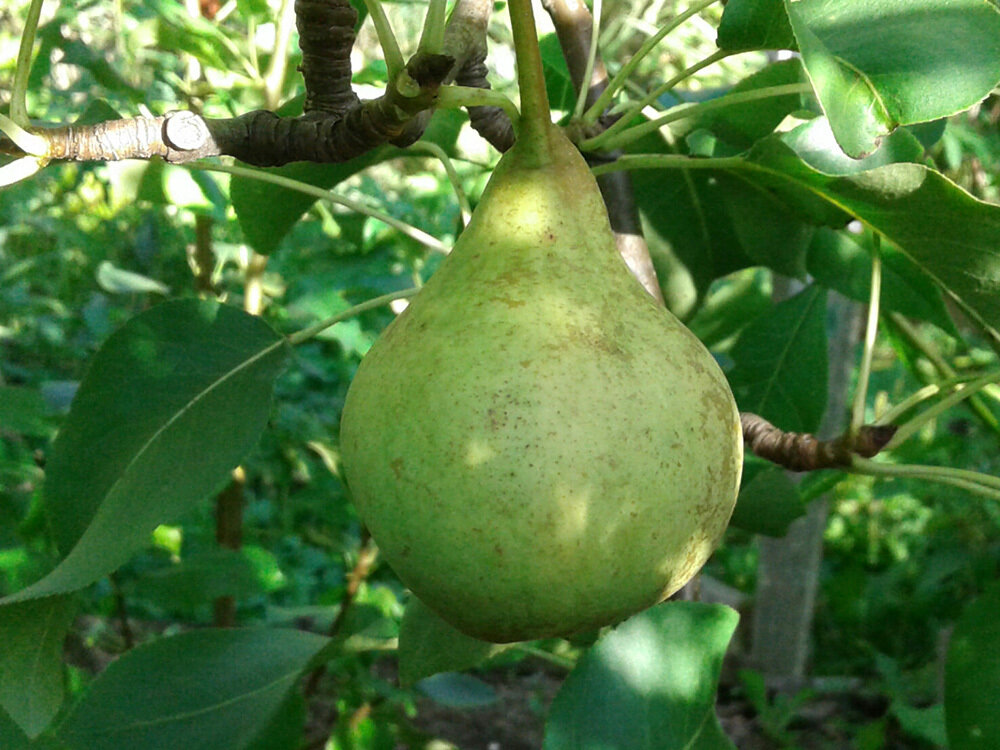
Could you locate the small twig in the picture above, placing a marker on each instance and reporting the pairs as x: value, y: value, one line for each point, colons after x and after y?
x: 202, y: 257
x: 121, y: 610
x: 367, y: 554
x: 228, y: 535
x: 802, y: 452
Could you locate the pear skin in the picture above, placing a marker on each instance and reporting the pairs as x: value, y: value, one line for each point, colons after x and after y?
x: 538, y: 447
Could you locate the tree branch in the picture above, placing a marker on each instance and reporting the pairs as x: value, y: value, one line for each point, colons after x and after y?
x: 802, y: 452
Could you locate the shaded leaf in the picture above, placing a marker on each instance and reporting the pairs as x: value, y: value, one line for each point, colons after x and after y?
x: 838, y: 261
x: 972, y: 676
x: 729, y: 307
x: 170, y: 405
x: 712, y: 736
x: 780, y: 363
x: 23, y: 410
x: 457, y: 690
x: 677, y: 208
x: 649, y: 683
x: 31, y: 660
x: 770, y: 234
x: 286, y: 726
x: 199, y: 579
x: 210, y: 689
x: 755, y: 24
x: 11, y: 736
x: 558, y: 84
x: 925, y: 723
x: 768, y: 501
x: 428, y: 645
x: 742, y: 125
x: 950, y: 235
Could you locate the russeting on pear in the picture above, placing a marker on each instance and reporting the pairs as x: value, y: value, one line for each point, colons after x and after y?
x: 537, y: 446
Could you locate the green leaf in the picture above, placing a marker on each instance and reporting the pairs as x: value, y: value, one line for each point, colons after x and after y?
x: 204, y: 40
x: 119, y: 281
x: 927, y: 724
x: 677, y: 210
x: 558, y: 83
x: 768, y: 501
x: 170, y: 405
x: 267, y: 212
x: 950, y: 235
x: 648, y: 684
x: 813, y: 141
x: 780, y: 363
x: 284, y: 730
x: 972, y: 676
x: 31, y: 661
x: 729, y: 307
x: 883, y: 63
x: 457, y: 690
x: 23, y: 410
x: 11, y: 736
x: 838, y: 261
x: 199, y: 579
x: 755, y: 24
x: 712, y: 736
x: 770, y: 234
x: 208, y: 689
x: 742, y: 125
x: 429, y: 645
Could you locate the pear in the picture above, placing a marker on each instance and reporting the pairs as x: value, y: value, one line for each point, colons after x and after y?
x: 538, y: 447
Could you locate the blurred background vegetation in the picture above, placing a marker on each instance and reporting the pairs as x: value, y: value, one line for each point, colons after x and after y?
x: 83, y: 247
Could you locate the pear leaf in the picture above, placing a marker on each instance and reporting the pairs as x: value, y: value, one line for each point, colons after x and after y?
x: 170, y: 405
x: 428, y: 645
x: 201, y: 690
x: 972, y: 676
x: 31, y: 660
x: 648, y: 684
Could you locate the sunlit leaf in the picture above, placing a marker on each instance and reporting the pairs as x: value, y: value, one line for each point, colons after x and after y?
x: 883, y: 63
x: 119, y: 281
x: 649, y: 684
x: 813, y: 141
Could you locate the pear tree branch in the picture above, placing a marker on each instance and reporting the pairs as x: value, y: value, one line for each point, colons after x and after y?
x: 797, y: 451
x: 336, y: 126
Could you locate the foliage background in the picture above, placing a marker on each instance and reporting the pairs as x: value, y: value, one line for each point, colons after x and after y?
x: 83, y: 248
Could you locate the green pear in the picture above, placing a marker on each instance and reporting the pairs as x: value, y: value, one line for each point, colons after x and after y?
x: 538, y: 447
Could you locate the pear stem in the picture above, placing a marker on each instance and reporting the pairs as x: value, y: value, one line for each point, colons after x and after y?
x: 536, y: 118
